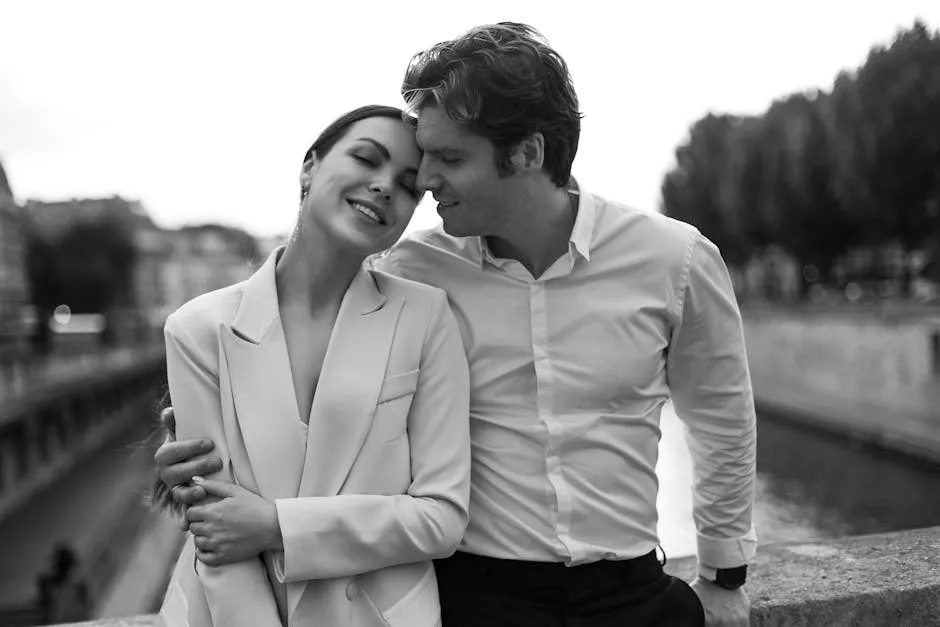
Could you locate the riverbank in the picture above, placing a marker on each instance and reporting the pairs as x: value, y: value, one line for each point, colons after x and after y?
x: 870, y: 374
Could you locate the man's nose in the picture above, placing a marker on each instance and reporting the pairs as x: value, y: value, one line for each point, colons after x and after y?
x: 427, y: 180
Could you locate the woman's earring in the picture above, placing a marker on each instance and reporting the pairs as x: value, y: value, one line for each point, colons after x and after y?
x: 304, y: 187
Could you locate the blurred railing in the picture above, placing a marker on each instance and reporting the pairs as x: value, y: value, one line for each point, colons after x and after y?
x: 25, y: 374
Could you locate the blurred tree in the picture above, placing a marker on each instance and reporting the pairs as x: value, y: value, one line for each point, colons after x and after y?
x: 42, y: 272
x: 824, y: 174
x: 756, y: 161
x: 96, y: 261
x: 899, y: 90
x: 700, y: 189
x: 815, y: 228
x: 89, y: 267
x: 851, y: 142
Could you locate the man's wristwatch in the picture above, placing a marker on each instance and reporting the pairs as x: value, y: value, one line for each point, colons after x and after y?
x: 727, y: 578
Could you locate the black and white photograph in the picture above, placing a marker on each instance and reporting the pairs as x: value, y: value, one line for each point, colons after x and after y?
x: 487, y: 314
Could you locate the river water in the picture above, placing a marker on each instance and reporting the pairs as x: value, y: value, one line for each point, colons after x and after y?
x: 810, y: 485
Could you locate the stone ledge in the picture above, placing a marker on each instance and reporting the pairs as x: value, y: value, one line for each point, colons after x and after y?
x: 886, y: 579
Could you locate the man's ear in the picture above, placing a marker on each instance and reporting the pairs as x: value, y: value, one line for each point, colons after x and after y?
x: 529, y: 154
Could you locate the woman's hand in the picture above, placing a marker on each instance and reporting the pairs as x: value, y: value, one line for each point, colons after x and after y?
x: 237, y: 524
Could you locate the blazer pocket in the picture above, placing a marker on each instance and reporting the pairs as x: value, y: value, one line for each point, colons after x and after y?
x: 419, y: 607
x: 398, y: 385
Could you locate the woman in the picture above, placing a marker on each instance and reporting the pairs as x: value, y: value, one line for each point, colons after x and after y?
x: 338, y: 400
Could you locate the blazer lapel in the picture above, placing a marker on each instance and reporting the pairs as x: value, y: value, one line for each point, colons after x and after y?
x: 350, y: 382
x: 262, y: 387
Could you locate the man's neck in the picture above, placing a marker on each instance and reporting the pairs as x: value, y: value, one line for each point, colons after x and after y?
x: 540, y: 234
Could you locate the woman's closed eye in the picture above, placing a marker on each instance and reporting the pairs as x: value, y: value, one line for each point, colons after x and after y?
x: 372, y: 163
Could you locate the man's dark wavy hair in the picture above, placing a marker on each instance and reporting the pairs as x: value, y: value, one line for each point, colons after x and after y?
x: 503, y: 82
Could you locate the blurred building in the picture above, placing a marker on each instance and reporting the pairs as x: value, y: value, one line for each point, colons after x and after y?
x: 171, y: 266
x: 14, y: 291
x: 205, y: 258
x: 267, y: 244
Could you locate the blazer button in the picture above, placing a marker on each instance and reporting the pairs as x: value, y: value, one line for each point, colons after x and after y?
x: 352, y: 591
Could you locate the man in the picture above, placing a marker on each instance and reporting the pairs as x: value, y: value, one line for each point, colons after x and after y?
x: 580, y: 318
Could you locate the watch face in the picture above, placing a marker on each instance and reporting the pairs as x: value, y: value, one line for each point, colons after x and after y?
x: 731, y: 578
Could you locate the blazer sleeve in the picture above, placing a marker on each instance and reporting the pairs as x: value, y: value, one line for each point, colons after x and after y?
x: 344, y: 535
x: 238, y: 595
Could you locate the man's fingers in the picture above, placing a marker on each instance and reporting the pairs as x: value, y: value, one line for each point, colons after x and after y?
x: 188, y: 495
x: 182, y: 472
x: 198, y: 528
x: 172, y: 452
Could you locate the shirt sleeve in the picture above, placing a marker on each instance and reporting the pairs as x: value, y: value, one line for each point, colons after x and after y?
x: 708, y: 376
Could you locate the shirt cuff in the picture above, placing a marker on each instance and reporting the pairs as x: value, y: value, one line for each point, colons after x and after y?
x: 727, y: 552
x: 277, y: 560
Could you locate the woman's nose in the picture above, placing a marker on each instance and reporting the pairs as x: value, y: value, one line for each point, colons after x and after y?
x: 381, y: 189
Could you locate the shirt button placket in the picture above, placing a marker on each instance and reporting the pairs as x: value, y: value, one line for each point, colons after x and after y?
x: 544, y: 402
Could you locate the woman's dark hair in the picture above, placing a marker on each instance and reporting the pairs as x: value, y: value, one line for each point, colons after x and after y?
x: 503, y: 82
x: 338, y: 128
x: 160, y: 497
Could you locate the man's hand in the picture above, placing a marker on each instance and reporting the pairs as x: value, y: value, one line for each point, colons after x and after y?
x: 175, y: 465
x: 723, y: 608
x: 237, y: 526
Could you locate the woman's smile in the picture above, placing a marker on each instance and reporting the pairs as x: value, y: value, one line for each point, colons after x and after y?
x: 369, y: 210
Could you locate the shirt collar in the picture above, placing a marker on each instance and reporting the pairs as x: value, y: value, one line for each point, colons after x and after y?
x: 582, y: 232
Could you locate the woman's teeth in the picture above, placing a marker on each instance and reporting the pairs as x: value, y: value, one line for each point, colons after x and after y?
x: 367, y: 212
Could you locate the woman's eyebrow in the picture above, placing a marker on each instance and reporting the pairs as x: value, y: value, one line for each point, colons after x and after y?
x: 384, y: 151
x: 380, y: 146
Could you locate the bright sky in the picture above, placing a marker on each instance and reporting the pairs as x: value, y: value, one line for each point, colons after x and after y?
x: 203, y: 109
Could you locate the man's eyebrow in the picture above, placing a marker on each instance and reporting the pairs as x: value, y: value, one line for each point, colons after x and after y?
x: 382, y: 149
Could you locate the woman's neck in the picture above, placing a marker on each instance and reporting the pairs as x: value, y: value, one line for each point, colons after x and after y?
x: 312, y: 274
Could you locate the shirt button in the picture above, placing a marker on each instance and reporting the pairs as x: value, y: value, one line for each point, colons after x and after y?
x: 352, y: 591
